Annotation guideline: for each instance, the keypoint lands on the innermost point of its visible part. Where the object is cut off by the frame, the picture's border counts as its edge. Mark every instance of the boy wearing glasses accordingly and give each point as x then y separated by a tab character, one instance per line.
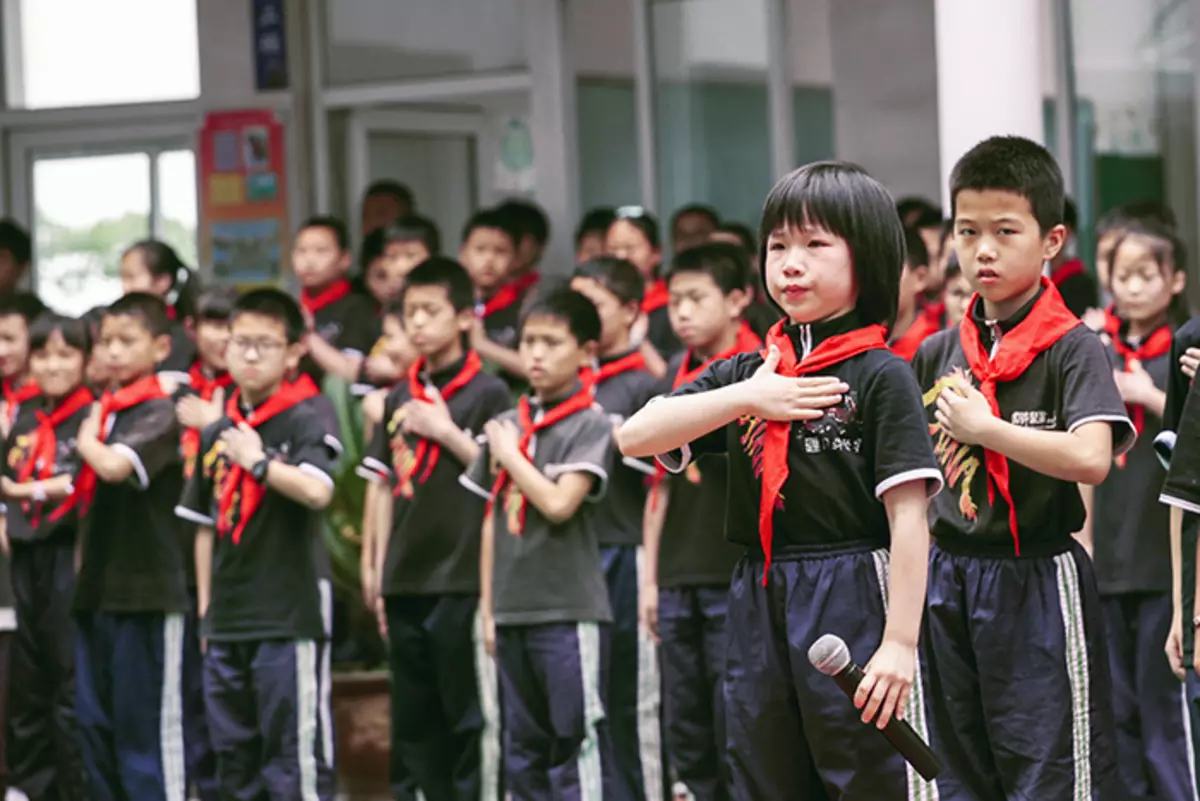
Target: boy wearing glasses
263	474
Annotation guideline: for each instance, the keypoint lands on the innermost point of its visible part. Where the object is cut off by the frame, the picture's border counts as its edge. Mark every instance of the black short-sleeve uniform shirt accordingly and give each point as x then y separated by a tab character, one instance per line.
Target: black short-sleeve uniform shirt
693	550
436	523
265	586
839	466
132	546
348	324
550	572
619	518
661	335
1066	386
183	350
1130	534
22	516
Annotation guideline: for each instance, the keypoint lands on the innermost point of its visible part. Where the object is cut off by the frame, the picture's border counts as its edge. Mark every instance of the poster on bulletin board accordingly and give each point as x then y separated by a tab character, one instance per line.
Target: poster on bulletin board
243	197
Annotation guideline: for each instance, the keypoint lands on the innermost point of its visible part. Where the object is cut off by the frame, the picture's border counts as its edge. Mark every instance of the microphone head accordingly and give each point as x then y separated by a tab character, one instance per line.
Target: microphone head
829	654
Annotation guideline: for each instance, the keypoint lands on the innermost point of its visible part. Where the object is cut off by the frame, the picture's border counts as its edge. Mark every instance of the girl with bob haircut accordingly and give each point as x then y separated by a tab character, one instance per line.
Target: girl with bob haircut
830	469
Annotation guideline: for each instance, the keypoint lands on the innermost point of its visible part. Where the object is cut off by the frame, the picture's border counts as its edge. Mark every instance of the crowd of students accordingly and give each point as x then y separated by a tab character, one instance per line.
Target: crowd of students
610	508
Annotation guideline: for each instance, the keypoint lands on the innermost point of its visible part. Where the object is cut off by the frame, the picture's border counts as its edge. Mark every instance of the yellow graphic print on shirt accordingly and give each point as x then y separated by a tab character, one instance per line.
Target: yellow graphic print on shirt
19	453
403	458
216	467
753	430
514	502
958	464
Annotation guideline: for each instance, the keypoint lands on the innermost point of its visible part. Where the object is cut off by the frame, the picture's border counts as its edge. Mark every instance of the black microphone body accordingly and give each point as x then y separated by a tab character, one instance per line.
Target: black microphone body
901	735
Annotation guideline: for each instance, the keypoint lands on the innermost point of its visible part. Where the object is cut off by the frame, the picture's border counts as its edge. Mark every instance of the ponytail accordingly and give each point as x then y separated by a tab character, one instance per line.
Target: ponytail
162	260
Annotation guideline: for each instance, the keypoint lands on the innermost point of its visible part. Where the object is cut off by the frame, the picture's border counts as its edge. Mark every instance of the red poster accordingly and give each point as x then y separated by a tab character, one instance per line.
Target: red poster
243	196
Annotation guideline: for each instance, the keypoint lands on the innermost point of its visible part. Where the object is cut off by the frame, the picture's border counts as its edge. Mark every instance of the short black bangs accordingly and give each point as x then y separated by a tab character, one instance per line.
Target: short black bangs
844	200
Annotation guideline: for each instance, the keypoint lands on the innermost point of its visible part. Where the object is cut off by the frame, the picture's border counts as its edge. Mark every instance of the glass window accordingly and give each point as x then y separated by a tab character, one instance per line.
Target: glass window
87	209
372	41
710	74
89	53
176	218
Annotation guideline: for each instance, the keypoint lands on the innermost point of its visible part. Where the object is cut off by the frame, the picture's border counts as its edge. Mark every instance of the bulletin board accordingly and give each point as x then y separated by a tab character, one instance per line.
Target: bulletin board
243	197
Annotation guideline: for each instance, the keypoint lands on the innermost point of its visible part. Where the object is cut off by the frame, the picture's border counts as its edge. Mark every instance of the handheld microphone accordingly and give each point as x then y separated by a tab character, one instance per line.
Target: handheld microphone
830	655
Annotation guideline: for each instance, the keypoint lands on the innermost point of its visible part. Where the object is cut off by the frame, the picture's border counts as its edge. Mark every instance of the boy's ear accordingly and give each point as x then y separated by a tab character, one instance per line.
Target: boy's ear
162	348
920	276
295	352
465	320
1053	242
737	301
1178	281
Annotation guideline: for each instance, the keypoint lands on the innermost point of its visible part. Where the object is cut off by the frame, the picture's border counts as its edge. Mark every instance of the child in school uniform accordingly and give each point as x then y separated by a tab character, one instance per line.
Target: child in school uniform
689	561
263	473
17	313
39	466
543	601
342	325
488	251
1022	408
914	324
533	229
131	592
154	267
634	236
590	233
200	403
1130	537
830	468
622	385
445	726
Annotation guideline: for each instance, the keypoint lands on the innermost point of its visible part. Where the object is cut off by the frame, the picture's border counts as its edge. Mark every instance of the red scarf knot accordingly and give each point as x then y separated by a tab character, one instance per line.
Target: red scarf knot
330	295
1047	322
111	404
510	293
206	387
43	450
834	350
657	296
1155	346
14	396
747	342
428	451
578	402
239	489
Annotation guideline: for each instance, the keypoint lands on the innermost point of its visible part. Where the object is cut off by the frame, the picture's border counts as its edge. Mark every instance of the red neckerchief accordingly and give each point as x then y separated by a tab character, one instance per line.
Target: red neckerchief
1048	321
43	451
239	484
746	342
1154	346
1067	270
923	326
510	293
171	313
1112	323
656	296
15	396
111	403
834	350
936	313
580	401
627	363
427	451
205	387
335	292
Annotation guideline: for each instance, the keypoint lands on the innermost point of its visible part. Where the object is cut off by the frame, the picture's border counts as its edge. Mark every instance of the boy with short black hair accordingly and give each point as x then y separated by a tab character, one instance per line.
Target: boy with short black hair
689	562
691	226
341	323
131	592
543	601
16	251
488	252
264	473
622	385
534	227
384	202
591	231
445	727
17	313
1022	408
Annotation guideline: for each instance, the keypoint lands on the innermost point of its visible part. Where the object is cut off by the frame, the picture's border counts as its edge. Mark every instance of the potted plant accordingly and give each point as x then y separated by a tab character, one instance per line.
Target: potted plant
360	697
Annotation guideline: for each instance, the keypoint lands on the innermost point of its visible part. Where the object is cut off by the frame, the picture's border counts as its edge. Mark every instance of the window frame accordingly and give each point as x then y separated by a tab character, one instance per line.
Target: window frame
28	146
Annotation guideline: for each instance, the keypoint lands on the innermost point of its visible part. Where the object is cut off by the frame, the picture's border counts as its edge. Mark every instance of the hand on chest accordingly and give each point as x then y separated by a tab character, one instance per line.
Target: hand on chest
838	430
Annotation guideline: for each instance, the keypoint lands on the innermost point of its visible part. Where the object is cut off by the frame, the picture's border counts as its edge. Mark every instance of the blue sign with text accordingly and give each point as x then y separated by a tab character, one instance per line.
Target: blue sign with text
270	46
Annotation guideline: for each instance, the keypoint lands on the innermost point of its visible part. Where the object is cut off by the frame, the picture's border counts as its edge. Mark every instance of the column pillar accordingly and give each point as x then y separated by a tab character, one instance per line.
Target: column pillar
988	75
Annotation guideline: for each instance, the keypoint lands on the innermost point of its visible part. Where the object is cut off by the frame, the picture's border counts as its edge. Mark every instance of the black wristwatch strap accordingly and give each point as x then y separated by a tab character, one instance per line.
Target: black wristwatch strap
259	471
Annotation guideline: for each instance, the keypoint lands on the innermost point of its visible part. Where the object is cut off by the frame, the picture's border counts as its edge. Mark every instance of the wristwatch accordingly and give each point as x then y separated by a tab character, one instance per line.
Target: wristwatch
259	471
